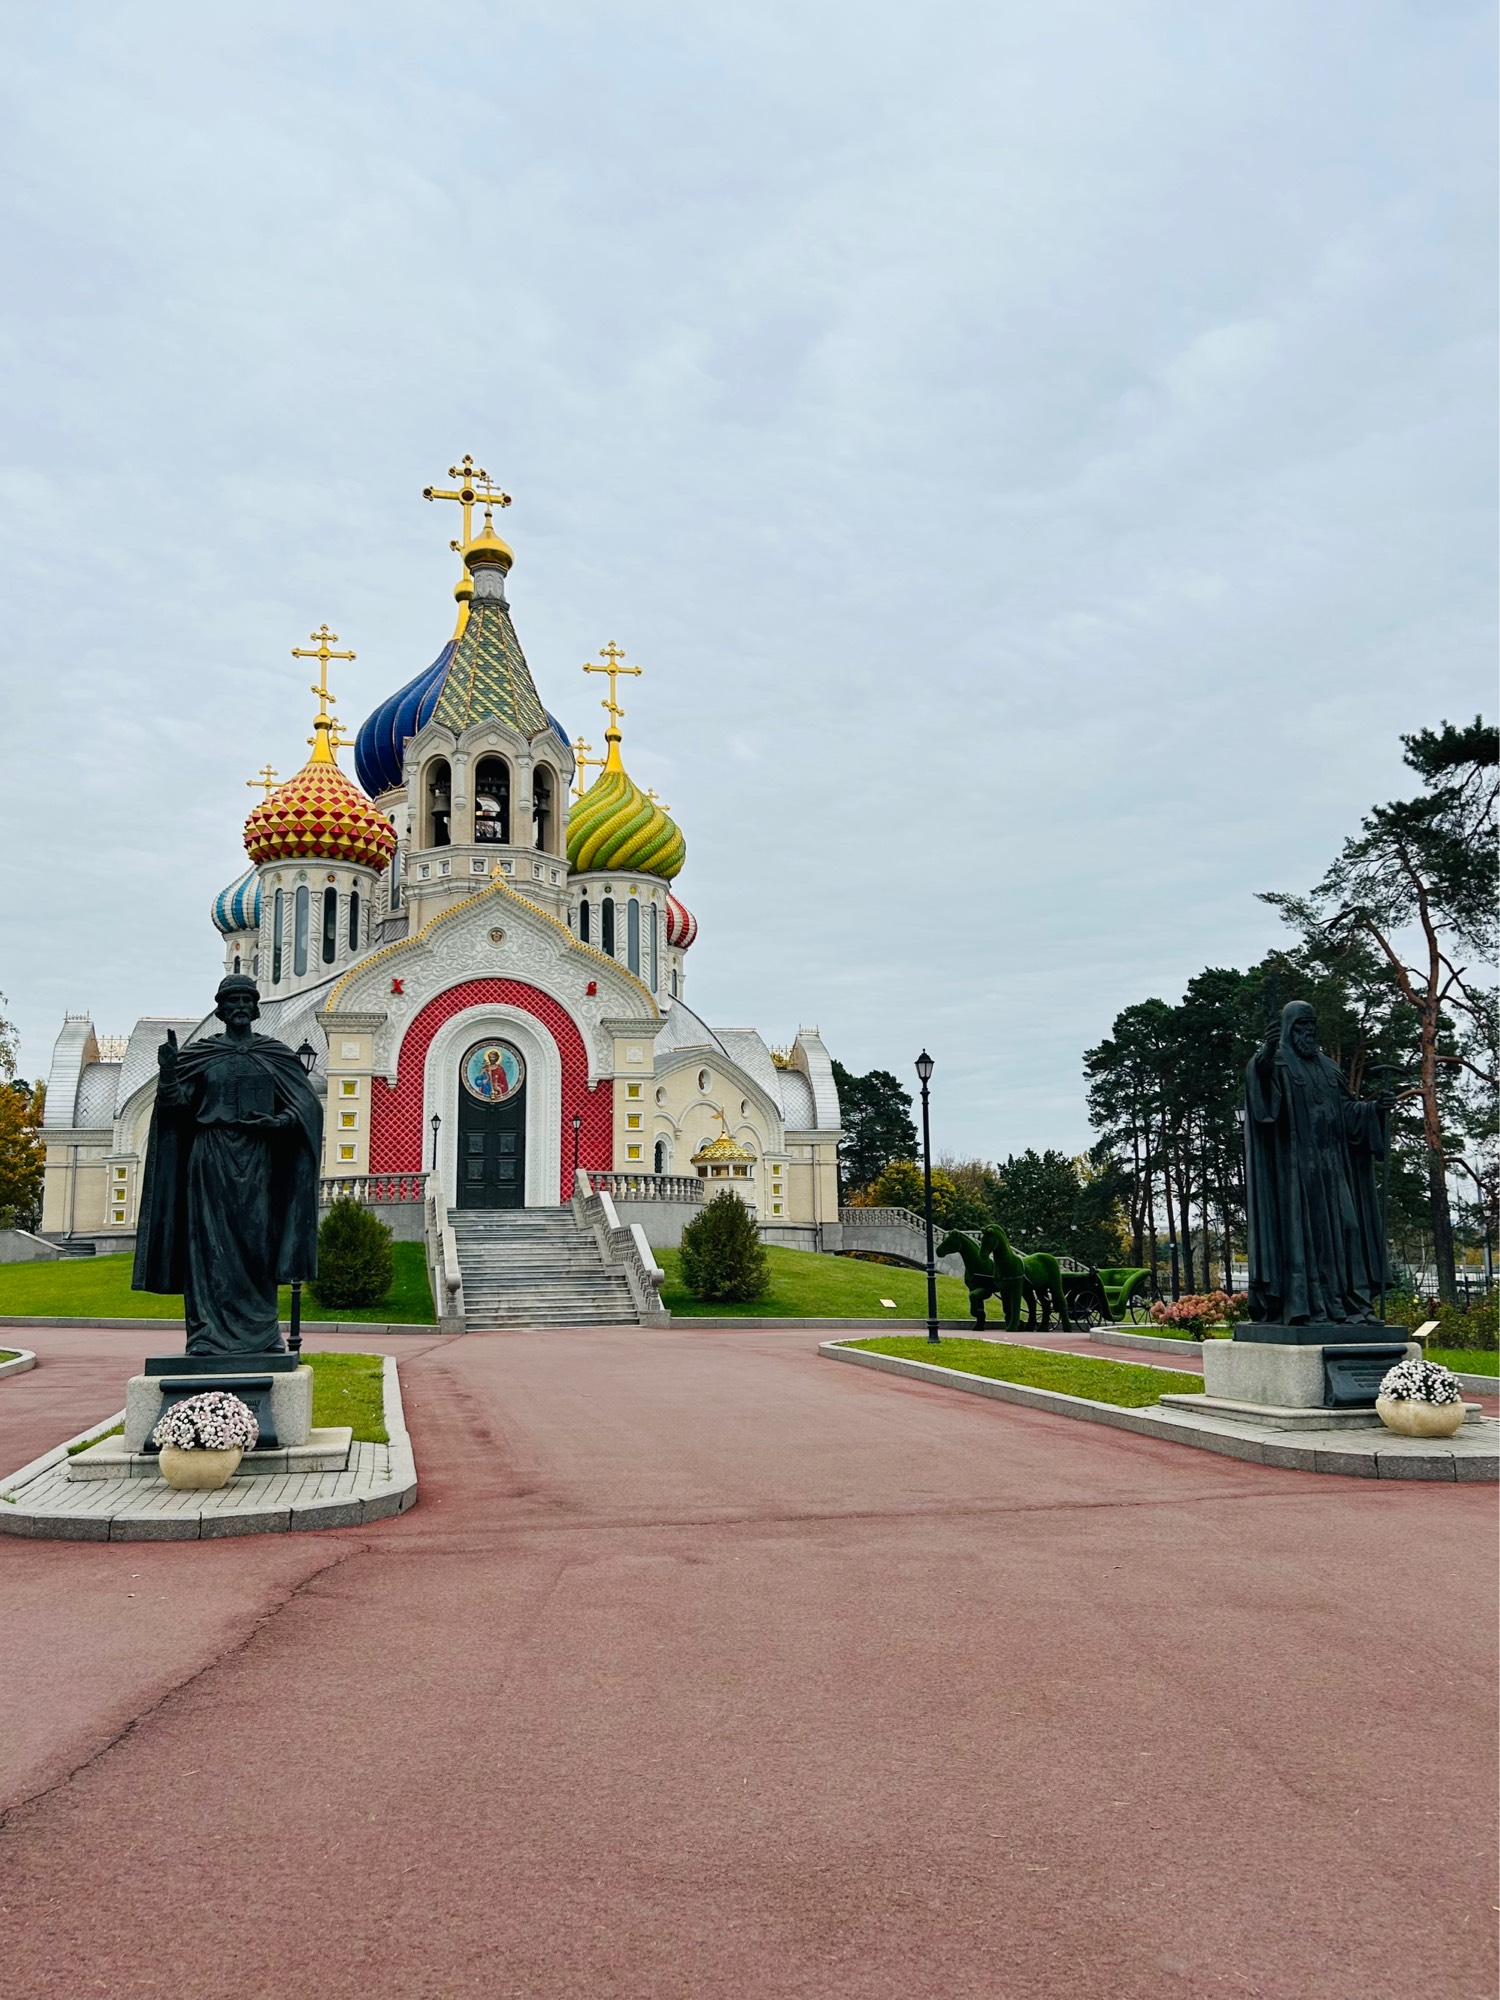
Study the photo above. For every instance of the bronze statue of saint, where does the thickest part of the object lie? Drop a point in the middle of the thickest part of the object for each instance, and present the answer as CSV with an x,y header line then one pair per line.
x,y
1316,1240
229,1195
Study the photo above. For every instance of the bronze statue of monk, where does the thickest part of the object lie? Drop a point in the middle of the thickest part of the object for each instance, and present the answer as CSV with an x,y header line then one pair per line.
x,y
1316,1241
229,1196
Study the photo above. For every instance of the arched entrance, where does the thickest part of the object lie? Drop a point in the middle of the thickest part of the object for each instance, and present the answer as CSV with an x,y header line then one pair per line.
x,y
492,1126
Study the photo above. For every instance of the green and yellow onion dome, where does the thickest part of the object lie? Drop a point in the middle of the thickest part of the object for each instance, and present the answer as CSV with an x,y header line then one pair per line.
x,y
616,826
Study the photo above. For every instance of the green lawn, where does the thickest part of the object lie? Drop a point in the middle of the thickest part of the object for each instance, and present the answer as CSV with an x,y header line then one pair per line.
x,y
347,1389
806,1285
99,1288
1467,1360
9,1353
1121,1382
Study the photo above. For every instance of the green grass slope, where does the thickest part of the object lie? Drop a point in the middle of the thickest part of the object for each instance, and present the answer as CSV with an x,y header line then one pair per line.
x,y
806,1285
99,1288
1121,1382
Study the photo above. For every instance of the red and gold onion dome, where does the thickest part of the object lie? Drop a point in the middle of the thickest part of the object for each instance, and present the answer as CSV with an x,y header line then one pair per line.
x,y
319,815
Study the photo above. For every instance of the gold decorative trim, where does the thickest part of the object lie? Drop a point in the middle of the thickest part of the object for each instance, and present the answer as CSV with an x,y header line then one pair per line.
x,y
498,886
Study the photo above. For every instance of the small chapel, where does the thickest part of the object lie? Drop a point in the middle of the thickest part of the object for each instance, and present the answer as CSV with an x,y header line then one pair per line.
x,y
482,959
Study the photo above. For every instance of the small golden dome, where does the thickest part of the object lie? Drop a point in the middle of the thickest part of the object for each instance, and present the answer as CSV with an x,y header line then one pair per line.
x,y
487,547
722,1148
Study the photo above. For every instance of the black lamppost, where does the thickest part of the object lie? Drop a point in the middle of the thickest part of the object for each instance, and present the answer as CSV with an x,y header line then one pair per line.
x,y
436,1123
577,1128
307,1055
925,1067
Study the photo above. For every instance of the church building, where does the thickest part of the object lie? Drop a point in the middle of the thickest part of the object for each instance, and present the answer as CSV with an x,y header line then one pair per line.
x,y
484,961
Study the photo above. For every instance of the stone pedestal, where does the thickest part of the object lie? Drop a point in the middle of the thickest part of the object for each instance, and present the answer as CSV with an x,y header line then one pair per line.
x,y
281,1396
1295,1385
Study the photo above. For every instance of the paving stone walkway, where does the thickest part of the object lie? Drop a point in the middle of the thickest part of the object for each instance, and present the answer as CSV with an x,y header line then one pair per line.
x,y
705,1667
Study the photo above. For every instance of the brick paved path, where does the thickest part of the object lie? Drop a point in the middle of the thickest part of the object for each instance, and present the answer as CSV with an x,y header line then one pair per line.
x,y
705,1667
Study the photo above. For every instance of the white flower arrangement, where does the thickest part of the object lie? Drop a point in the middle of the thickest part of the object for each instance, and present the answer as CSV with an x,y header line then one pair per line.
x,y
214,1421
1414,1381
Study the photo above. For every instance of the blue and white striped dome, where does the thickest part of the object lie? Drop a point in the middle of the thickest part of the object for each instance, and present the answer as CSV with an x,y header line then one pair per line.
x,y
237,908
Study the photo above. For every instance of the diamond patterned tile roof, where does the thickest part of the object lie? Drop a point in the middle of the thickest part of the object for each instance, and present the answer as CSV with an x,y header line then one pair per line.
x,y
319,815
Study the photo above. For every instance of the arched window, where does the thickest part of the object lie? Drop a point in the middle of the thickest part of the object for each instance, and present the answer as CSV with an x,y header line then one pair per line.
x,y
354,920
492,800
674,982
655,978
236,961
607,925
661,1156
299,931
278,927
439,801
394,891
583,916
330,925
633,936
541,807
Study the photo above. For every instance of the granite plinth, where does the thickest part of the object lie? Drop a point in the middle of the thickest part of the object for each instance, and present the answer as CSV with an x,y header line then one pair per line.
x,y
277,1362
1283,1377
326,1450
1317,1333
282,1400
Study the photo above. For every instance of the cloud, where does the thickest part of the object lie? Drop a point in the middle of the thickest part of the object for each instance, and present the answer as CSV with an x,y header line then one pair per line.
x,y
1041,457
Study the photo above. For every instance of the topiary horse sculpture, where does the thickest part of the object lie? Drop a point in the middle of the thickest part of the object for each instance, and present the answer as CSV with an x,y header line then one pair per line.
x,y
993,1269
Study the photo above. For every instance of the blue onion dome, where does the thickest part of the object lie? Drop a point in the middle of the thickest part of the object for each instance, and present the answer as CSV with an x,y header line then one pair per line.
x,y
380,746
237,908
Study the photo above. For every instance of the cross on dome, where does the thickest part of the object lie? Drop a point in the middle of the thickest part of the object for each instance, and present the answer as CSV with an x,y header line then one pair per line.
x,y
475,487
264,780
581,763
611,656
324,725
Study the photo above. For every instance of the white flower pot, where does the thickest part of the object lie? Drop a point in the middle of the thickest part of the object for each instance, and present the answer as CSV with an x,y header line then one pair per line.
x,y
1419,1420
198,1471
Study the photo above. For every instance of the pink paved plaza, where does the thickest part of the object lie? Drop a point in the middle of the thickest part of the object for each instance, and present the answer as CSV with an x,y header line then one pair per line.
x,y
706,1667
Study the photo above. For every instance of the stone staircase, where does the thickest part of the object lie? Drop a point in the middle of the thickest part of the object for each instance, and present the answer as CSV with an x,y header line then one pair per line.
x,y
535,1267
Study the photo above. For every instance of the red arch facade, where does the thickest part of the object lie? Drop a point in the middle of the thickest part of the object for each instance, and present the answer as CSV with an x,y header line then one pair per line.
x,y
396,1131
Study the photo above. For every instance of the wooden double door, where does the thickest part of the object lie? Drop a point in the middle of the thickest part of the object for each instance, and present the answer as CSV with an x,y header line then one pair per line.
x,y
491,1136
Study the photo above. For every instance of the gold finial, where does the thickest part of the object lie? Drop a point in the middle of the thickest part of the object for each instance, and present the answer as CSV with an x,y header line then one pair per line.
x,y
264,780
611,655
581,762
475,487
324,725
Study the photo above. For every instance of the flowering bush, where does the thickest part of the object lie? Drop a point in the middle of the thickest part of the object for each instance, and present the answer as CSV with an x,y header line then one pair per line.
x,y
1201,1310
214,1421
1415,1381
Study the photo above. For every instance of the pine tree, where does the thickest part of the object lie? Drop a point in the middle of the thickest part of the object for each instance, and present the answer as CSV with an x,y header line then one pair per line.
x,y
723,1257
355,1263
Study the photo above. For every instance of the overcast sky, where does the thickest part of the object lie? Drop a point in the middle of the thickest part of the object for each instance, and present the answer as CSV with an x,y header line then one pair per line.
x,y
1042,456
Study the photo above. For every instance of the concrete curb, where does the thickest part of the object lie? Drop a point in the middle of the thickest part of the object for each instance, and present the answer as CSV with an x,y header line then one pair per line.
x,y
22,1360
373,1493
1157,1343
1382,1457
309,1326
1113,1336
889,1323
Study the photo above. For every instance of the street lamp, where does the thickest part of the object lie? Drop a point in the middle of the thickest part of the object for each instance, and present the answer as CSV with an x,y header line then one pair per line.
x,y
307,1055
436,1122
577,1128
925,1067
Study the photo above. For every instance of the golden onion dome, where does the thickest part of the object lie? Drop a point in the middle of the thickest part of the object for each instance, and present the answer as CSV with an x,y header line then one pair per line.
x,y
722,1148
319,815
487,547
615,825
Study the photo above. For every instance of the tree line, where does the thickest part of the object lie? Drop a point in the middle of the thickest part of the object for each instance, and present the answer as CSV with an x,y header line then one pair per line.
x,y
1394,947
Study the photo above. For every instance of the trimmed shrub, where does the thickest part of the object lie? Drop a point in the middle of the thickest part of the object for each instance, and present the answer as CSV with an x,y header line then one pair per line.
x,y
355,1265
723,1257
1475,1327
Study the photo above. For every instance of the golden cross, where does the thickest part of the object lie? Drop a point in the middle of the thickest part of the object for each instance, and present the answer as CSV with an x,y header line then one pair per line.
x,y
322,652
336,737
612,656
265,779
655,800
475,487
581,762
